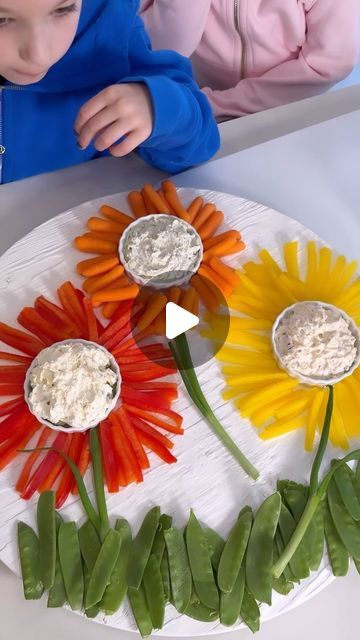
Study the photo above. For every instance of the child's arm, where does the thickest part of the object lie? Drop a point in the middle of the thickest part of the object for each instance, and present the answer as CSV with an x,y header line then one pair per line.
x,y
158,108
330,51
185,22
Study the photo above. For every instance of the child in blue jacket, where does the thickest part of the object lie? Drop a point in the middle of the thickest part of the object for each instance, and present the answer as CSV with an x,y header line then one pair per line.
x,y
78,80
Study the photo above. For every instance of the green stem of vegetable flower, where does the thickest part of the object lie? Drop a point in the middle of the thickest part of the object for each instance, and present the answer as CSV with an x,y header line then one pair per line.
x,y
99,481
83,494
314,477
181,353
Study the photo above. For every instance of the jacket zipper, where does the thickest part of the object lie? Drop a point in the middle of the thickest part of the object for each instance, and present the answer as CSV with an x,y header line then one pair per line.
x,y
2,148
242,38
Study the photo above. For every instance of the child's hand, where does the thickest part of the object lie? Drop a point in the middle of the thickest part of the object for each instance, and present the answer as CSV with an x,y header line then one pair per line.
x,y
117,111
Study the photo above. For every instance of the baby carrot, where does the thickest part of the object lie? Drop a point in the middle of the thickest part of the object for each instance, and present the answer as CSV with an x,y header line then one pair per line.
x,y
206,295
216,279
236,248
174,295
157,202
109,309
168,185
93,245
97,266
194,208
224,271
165,204
188,298
155,305
211,242
91,285
102,235
137,204
148,204
107,226
128,292
175,203
220,248
203,215
115,215
196,304
209,227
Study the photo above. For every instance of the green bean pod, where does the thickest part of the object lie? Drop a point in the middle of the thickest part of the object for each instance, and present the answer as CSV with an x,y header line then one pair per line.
x,y
250,612
165,574
347,528
234,552
154,591
314,536
216,546
47,537
180,575
141,548
140,611
299,562
200,564
57,593
198,611
117,587
259,557
103,568
71,564
158,547
230,603
338,554
29,551
344,477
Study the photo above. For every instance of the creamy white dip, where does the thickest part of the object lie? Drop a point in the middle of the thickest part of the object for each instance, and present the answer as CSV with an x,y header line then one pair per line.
x,y
160,246
315,340
72,384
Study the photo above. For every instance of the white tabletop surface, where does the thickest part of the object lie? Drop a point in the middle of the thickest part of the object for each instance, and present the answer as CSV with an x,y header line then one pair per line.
x,y
312,175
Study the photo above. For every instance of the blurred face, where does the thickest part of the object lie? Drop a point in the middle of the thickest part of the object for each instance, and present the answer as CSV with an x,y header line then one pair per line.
x,y
34,35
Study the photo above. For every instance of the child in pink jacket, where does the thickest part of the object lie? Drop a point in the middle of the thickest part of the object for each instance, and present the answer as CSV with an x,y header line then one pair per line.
x,y
251,55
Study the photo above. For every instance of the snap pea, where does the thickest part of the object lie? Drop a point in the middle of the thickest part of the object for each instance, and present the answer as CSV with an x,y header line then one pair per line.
x,y
140,610
180,575
233,553
90,547
103,568
343,477
28,543
250,612
154,591
259,557
141,548
159,541
198,611
356,480
216,546
71,564
314,536
347,528
57,593
117,587
47,537
230,603
200,564
299,562
357,565
165,574
92,612
289,485
338,554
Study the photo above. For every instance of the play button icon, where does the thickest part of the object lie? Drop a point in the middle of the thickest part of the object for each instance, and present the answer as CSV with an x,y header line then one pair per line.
x,y
178,320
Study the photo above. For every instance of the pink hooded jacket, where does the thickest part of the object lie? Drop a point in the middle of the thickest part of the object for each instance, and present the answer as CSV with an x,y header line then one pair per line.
x,y
251,55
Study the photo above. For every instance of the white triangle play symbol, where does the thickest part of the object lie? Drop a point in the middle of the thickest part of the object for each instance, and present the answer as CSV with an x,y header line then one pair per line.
x,y
178,320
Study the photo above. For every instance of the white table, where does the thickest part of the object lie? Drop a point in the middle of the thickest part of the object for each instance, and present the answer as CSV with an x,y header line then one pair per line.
x,y
312,175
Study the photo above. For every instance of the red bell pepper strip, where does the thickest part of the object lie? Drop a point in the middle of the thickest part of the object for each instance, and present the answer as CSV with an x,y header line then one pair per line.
x,y
129,463
145,376
137,356
8,407
117,324
80,295
44,467
19,442
84,460
57,316
154,386
56,469
122,334
31,319
124,307
10,373
20,340
11,389
14,357
177,420
73,307
108,458
67,479
134,442
14,422
93,332
32,458
141,425
134,340
156,447
153,399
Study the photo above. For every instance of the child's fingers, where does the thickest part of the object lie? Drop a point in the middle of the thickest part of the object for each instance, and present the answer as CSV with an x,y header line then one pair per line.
x,y
97,125
133,140
111,134
93,106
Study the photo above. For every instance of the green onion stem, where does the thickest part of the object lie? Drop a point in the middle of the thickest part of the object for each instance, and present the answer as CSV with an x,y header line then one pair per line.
x,y
180,350
314,477
99,481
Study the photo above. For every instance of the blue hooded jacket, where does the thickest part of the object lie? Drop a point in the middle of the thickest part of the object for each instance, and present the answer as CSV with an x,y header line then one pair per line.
x,y
111,46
